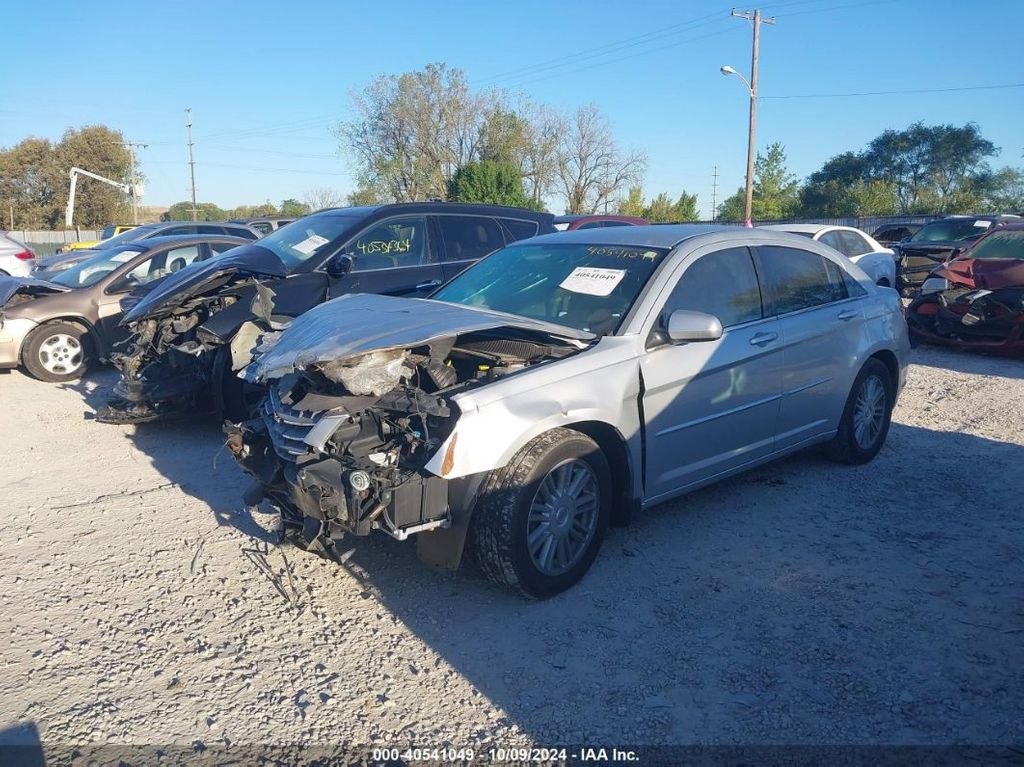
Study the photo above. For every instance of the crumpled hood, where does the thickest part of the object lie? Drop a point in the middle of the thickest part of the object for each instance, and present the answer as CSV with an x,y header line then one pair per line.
x,y
985,273
196,278
12,286
359,323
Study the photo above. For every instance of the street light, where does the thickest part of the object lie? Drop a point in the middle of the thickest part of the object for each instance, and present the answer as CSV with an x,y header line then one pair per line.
x,y
752,92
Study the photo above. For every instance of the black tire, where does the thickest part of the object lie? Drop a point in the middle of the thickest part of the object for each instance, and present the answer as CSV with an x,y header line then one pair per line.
x,y
501,520
845,446
57,351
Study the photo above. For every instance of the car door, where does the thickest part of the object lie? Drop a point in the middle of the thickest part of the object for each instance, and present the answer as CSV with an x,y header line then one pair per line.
x,y
820,315
464,240
711,406
393,257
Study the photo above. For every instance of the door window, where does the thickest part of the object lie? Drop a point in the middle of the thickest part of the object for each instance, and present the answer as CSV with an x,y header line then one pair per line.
x,y
469,237
396,242
833,240
517,229
723,284
854,244
798,279
222,247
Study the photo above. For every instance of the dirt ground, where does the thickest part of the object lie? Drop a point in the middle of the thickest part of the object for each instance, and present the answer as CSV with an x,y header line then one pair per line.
x,y
802,603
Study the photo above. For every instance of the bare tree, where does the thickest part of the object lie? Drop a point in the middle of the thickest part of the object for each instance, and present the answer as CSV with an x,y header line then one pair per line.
x,y
414,131
321,197
591,168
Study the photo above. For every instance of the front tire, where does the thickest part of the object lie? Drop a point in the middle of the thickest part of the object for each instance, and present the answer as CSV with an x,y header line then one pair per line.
x,y
541,518
866,417
57,351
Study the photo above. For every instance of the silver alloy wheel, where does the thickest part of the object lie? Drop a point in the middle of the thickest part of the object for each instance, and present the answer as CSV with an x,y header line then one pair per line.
x,y
869,412
563,517
61,354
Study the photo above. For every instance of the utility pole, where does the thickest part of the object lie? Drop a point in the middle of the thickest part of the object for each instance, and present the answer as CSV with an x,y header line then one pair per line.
x,y
134,180
756,19
714,194
191,162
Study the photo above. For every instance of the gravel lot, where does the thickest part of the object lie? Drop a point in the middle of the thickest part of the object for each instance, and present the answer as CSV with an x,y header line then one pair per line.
x,y
800,603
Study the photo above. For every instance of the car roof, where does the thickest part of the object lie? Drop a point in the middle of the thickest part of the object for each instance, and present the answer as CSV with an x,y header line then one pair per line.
x,y
184,239
659,236
468,208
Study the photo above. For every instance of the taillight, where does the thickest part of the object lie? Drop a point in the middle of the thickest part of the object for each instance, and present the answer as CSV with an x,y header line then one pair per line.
x,y
25,255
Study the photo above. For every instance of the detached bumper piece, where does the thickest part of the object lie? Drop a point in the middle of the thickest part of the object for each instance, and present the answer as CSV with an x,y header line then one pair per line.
x,y
986,320
175,386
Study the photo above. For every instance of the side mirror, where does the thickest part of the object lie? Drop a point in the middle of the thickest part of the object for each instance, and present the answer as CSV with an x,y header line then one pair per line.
x,y
339,265
123,285
685,325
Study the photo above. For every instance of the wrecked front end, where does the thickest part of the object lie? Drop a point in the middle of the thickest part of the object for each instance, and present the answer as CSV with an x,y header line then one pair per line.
x,y
186,345
342,444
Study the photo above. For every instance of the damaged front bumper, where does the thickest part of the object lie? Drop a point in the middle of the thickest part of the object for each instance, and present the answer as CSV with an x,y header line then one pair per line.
x,y
965,318
322,498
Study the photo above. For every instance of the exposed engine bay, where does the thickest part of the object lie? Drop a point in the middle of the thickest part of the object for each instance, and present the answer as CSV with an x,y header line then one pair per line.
x,y
340,446
971,317
185,360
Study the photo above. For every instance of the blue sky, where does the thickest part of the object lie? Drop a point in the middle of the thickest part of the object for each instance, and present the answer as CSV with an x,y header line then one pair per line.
x,y
267,81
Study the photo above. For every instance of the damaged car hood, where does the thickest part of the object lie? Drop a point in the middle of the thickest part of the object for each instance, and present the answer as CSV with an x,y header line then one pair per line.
x,y
360,323
987,273
27,286
176,288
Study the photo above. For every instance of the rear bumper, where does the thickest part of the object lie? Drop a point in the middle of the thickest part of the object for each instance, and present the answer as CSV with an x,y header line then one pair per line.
x,y
12,336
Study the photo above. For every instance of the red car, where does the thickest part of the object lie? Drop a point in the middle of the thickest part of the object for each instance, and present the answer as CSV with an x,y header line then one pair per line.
x,y
976,301
570,222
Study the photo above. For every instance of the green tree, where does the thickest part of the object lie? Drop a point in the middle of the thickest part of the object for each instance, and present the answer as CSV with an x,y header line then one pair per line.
x,y
775,194
205,211
28,179
101,150
294,208
364,196
490,181
634,204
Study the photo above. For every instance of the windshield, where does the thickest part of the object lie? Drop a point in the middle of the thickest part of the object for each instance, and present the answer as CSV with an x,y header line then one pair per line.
x,y
125,237
1000,245
951,230
587,287
301,240
93,270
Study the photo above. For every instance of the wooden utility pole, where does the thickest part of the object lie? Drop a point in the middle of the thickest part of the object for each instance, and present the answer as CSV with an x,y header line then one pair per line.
x,y
755,18
191,163
134,180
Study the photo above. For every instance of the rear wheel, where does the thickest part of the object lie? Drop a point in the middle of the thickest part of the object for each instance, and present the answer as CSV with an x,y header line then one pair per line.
x,y
56,351
540,519
866,417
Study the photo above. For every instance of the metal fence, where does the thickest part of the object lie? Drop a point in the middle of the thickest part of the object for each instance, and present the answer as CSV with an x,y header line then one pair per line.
x,y
864,223
46,242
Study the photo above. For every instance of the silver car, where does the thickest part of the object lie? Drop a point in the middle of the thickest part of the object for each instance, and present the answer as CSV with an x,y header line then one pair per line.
x,y
16,258
566,383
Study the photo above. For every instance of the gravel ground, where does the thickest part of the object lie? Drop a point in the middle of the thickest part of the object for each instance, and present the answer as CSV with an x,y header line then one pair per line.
x,y
803,602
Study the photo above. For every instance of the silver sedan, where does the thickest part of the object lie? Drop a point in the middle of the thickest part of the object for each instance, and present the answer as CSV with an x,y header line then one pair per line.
x,y
565,383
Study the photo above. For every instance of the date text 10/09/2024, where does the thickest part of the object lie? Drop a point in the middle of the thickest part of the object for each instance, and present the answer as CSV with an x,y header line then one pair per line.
x,y
498,754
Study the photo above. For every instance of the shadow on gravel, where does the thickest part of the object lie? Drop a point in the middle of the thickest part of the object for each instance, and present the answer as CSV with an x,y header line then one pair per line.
x,y
20,745
962,361
802,602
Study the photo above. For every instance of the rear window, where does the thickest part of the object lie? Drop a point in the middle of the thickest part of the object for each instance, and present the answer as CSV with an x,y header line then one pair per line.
x,y
517,229
952,230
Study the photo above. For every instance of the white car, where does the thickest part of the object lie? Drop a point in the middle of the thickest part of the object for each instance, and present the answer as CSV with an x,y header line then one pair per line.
x,y
16,258
867,253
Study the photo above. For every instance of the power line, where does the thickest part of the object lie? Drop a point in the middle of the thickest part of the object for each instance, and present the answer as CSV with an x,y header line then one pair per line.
x,y
891,93
598,51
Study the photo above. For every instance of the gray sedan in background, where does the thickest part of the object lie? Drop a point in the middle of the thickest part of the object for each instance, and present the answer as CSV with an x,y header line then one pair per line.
x,y
565,382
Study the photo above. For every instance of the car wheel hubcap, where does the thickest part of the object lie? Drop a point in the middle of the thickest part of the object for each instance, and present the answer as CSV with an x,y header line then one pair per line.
x,y
61,354
563,517
869,412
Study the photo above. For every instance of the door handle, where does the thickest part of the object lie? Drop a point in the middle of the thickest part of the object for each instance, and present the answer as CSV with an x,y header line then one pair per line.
x,y
847,314
762,339
428,285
